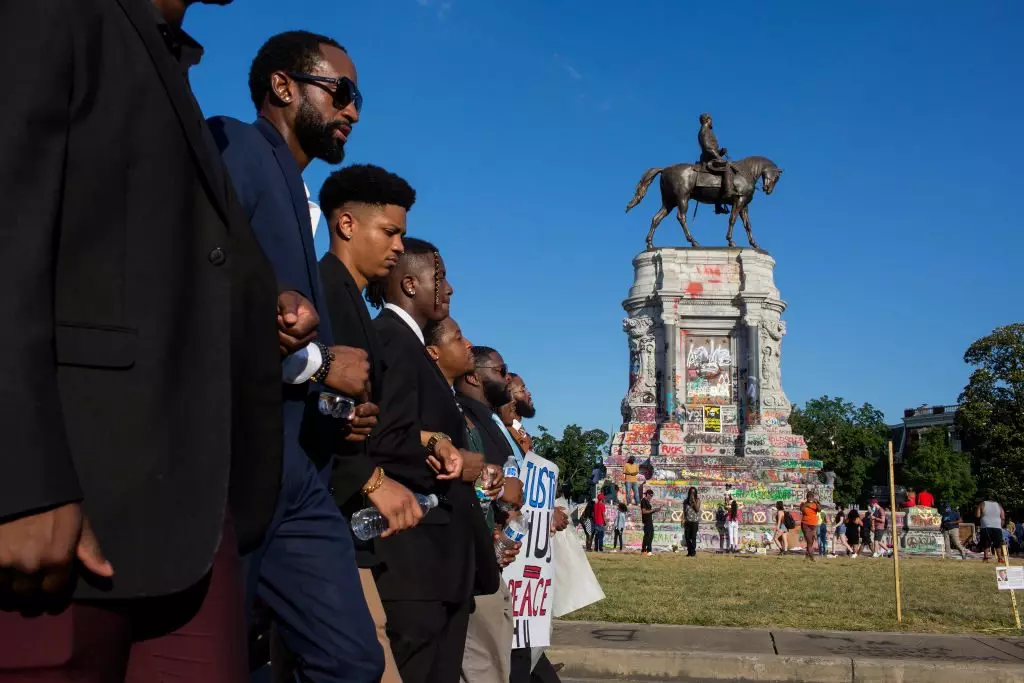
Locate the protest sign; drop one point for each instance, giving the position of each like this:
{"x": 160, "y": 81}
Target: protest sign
{"x": 530, "y": 577}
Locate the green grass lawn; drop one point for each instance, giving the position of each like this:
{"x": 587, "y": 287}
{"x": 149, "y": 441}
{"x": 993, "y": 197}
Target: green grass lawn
{"x": 789, "y": 592}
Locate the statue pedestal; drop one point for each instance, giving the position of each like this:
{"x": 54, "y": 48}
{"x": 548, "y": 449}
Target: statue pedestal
{"x": 705, "y": 405}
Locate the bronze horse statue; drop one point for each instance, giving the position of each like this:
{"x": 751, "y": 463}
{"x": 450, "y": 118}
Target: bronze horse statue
{"x": 682, "y": 182}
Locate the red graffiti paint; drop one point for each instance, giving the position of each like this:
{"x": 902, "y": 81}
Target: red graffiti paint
{"x": 694, "y": 289}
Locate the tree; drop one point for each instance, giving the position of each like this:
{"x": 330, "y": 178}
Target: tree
{"x": 991, "y": 415}
{"x": 575, "y": 453}
{"x": 934, "y": 466}
{"x": 849, "y": 440}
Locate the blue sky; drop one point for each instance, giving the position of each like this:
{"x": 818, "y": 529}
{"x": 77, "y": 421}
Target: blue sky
{"x": 524, "y": 126}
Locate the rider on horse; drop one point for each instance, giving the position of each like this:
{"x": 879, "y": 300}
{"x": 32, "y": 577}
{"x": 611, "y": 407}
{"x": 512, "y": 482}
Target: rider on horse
{"x": 712, "y": 159}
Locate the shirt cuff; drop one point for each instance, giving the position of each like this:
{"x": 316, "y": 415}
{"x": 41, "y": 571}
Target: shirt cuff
{"x": 298, "y": 367}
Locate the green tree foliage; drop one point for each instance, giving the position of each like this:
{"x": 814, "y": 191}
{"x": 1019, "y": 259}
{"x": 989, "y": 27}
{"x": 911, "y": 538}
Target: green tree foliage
{"x": 934, "y": 466}
{"x": 850, "y": 441}
{"x": 575, "y": 453}
{"x": 991, "y": 415}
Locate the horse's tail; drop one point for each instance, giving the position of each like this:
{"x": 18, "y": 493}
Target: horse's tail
{"x": 641, "y": 187}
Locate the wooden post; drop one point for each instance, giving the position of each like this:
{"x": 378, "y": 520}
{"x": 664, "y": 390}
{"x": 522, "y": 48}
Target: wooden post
{"x": 895, "y": 537}
{"x": 1013, "y": 597}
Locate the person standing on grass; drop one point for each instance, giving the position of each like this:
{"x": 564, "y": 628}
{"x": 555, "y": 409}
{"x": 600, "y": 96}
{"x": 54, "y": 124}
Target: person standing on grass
{"x": 587, "y": 522}
{"x": 620, "y": 527}
{"x": 781, "y": 528}
{"x": 647, "y": 515}
{"x": 691, "y": 521}
{"x": 866, "y": 532}
{"x": 732, "y": 519}
{"x": 822, "y": 535}
{"x": 720, "y": 524}
{"x": 991, "y": 518}
{"x": 854, "y": 526}
{"x": 951, "y": 531}
{"x": 809, "y": 523}
{"x": 599, "y": 520}
{"x": 878, "y": 527}
{"x": 840, "y": 533}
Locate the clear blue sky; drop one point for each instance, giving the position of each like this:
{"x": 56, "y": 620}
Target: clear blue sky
{"x": 524, "y": 126}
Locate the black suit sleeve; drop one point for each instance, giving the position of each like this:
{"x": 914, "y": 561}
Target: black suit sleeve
{"x": 37, "y": 470}
{"x": 395, "y": 444}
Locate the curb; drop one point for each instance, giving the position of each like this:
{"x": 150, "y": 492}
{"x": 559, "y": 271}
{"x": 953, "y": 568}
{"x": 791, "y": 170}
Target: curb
{"x": 672, "y": 665}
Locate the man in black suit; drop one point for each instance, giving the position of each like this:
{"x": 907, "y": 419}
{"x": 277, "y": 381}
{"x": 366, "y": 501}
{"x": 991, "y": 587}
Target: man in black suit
{"x": 141, "y": 375}
{"x": 304, "y": 88}
{"x": 366, "y": 209}
{"x": 427, "y": 575}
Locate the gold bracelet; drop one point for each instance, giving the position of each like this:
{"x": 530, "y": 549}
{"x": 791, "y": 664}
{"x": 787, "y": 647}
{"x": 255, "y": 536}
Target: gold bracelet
{"x": 376, "y": 483}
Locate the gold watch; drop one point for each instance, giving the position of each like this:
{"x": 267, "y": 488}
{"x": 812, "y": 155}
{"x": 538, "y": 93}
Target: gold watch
{"x": 434, "y": 439}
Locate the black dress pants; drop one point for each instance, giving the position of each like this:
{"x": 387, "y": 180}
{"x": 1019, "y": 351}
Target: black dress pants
{"x": 428, "y": 639}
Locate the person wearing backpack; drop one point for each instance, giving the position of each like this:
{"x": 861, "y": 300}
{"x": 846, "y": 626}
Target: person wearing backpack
{"x": 783, "y": 523}
{"x": 720, "y": 524}
{"x": 951, "y": 531}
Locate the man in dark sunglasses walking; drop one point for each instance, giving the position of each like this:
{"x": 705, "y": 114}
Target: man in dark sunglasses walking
{"x": 303, "y": 86}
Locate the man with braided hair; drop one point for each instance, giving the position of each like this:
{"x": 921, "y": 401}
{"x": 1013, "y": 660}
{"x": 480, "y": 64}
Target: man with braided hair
{"x": 429, "y": 574}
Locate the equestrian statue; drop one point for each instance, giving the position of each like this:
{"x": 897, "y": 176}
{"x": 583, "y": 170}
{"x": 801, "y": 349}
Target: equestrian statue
{"x": 714, "y": 179}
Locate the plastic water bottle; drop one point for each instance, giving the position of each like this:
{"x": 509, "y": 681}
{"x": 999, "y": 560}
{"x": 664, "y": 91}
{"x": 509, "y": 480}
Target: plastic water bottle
{"x": 513, "y": 533}
{"x": 511, "y": 470}
{"x": 370, "y": 523}
{"x": 480, "y": 486}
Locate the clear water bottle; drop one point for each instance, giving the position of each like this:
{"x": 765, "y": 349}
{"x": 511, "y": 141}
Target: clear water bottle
{"x": 480, "y": 486}
{"x": 513, "y": 533}
{"x": 511, "y": 470}
{"x": 370, "y": 523}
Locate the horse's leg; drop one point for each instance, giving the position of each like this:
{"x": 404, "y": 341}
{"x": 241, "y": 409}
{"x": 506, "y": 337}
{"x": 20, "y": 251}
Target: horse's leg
{"x": 732, "y": 223}
{"x": 658, "y": 218}
{"x": 681, "y": 215}
{"x": 746, "y": 224}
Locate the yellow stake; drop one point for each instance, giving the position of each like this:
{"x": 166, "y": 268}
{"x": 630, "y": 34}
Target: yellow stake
{"x": 895, "y": 537}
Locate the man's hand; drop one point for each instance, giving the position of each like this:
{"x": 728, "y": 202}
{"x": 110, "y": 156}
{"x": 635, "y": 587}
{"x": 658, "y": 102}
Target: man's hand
{"x": 398, "y": 505}
{"x": 508, "y": 555}
{"x": 297, "y": 321}
{"x": 496, "y": 482}
{"x": 446, "y": 461}
{"x": 350, "y": 372}
{"x": 362, "y": 423}
{"x": 559, "y": 520}
{"x": 513, "y": 494}
{"x": 37, "y": 552}
{"x": 472, "y": 466}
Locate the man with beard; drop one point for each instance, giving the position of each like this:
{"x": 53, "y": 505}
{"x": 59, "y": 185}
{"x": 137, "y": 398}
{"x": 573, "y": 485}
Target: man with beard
{"x": 304, "y": 88}
{"x": 141, "y": 379}
{"x": 488, "y": 647}
{"x": 366, "y": 209}
{"x": 428, "y": 574}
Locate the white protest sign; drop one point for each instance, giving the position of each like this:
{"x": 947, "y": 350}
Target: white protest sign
{"x": 529, "y": 578}
{"x": 1010, "y": 578}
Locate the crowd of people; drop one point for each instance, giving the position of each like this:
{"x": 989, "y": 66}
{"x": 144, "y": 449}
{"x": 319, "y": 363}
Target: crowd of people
{"x": 199, "y": 406}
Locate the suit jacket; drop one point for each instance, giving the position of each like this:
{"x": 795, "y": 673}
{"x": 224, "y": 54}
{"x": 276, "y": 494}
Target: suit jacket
{"x": 269, "y": 186}
{"x": 352, "y": 327}
{"x": 145, "y": 349}
{"x": 496, "y": 446}
{"x": 441, "y": 558}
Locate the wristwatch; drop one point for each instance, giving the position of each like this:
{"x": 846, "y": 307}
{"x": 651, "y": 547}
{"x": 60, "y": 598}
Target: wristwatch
{"x": 435, "y": 438}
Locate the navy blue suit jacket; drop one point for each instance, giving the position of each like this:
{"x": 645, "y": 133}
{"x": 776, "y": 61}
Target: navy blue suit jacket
{"x": 269, "y": 186}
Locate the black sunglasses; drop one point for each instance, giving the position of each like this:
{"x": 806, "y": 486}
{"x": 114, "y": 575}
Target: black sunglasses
{"x": 345, "y": 91}
{"x": 502, "y": 369}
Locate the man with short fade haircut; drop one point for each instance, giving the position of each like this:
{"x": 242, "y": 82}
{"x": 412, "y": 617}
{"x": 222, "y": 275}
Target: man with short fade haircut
{"x": 428, "y": 575}
{"x": 303, "y": 86}
{"x": 365, "y": 207}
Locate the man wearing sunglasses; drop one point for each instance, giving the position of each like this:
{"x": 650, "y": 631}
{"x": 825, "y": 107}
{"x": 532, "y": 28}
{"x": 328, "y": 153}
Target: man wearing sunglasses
{"x": 303, "y": 87}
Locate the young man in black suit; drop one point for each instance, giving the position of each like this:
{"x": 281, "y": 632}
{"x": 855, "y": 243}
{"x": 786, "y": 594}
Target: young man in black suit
{"x": 141, "y": 377}
{"x": 429, "y": 574}
{"x": 366, "y": 209}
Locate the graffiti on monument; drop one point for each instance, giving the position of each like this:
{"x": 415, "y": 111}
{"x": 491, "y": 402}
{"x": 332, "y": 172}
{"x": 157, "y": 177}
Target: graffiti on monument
{"x": 709, "y": 368}
{"x": 729, "y": 416}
